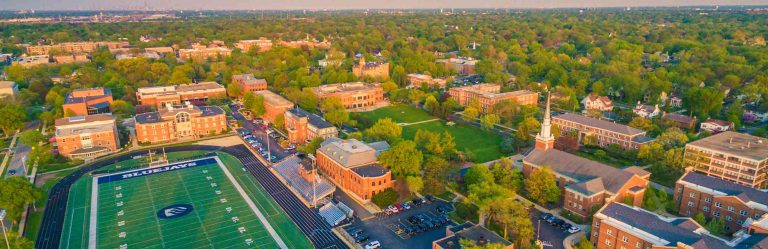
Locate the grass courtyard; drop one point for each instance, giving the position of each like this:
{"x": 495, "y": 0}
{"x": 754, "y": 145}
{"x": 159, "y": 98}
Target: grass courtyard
{"x": 482, "y": 145}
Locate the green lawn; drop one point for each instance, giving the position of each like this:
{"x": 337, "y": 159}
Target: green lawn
{"x": 398, "y": 113}
{"x": 483, "y": 146}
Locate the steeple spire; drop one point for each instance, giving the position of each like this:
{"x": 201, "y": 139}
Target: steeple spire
{"x": 545, "y": 140}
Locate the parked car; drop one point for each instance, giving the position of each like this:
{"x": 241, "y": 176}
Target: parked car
{"x": 558, "y": 222}
{"x": 566, "y": 226}
{"x": 406, "y": 205}
{"x": 399, "y": 207}
{"x": 545, "y": 216}
{"x": 574, "y": 229}
{"x": 355, "y": 232}
{"x": 373, "y": 245}
{"x": 444, "y": 209}
{"x": 11, "y": 172}
{"x": 291, "y": 147}
{"x": 393, "y": 209}
{"x": 418, "y": 201}
{"x": 362, "y": 238}
{"x": 410, "y": 230}
{"x": 430, "y": 198}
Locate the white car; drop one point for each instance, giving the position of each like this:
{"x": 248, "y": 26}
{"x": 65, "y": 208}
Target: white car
{"x": 392, "y": 209}
{"x": 574, "y": 229}
{"x": 373, "y": 245}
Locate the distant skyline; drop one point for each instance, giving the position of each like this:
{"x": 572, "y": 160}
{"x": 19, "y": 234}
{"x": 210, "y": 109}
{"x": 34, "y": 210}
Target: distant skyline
{"x": 347, "y": 4}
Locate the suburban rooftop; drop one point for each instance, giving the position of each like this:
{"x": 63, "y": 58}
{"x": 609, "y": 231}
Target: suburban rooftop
{"x": 735, "y": 144}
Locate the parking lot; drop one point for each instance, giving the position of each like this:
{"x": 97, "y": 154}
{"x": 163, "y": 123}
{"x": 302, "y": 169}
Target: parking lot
{"x": 551, "y": 236}
{"x": 388, "y": 229}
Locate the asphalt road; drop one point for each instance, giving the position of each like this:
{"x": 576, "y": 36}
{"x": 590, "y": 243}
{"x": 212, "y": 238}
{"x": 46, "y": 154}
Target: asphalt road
{"x": 260, "y": 135}
{"x": 551, "y": 236}
{"x": 17, "y": 164}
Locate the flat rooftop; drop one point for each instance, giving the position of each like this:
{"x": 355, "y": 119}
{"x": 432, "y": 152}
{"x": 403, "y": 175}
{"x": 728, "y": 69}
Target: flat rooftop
{"x": 735, "y": 144}
{"x": 274, "y": 99}
{"x": 344, "y": 87}
{"x": 370, "y": 170}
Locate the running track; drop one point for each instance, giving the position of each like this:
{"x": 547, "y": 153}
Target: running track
{"x": 310, "y": 223}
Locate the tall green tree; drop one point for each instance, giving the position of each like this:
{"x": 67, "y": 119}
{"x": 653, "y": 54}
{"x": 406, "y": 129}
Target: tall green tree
{"x": 384, "y": 129}
{"x": 403, "y": 159}
{"x": 542, "y": 187}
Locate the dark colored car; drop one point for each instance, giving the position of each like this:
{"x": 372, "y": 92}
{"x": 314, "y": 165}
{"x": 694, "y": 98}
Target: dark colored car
{"x": 565, "y": 226}
{"x": 411, "y": 230}
{"x": 430, "y": 198}
{"x": 418, "y": 201}
{"x": 423, "y": 226}
{"x": 558, "y": 222}
{"x": 545, "y": 216}
{"x": 362, "y": 238}
{"x": 416, "y": 219}
{"x": 444, "y": 209}
{"x": 356, "y": 232}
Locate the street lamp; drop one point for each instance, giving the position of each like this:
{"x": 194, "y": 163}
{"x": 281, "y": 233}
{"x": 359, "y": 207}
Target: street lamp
{"x": 266, "y": 133}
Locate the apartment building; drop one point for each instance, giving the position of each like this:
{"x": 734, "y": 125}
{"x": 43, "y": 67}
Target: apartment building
{"x": 733, "y": 156}
{"x": 488, "y": 95}
{"x": 352, "y": 95}
{"x": 33, "y": 60}
{"x": 716, "y": 198}
{"x": 174, "y": 123}
{"x": 73, "y": 47}
{"x": 249, "y": 83}
{"x": 86, "y": 137}
{"x": 303, "y": 126}
{"x": 373, "y": 70}
{"x": 204, "y": 53}
{"x": 462, "y": 65}
{"x": 274, "y": 105}
{"x": 605, "y": 132}
{"x": 308, "y": 43}
{"x": 262, "y": 44}
{"x": 199, "y": 93}
{"x": 88, "y": 101}
{"x": 353, "y": 166}
{"x": 586, "y": 185}
{"x": 618, "y": 225}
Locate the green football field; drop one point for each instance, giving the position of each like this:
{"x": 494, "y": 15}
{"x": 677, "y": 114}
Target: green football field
{"x": 193, "y": 204}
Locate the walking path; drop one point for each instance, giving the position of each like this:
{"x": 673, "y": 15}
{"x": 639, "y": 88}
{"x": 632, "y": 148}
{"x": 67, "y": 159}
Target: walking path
{"x": 420, "y": 122}
{"x": 8, "y": 152}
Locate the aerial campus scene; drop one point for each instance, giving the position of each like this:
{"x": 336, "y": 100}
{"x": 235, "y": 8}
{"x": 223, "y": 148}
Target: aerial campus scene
{"x": 330, "y": 124}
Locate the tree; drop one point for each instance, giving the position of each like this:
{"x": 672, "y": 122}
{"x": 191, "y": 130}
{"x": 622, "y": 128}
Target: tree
{"x": 254, "y": 103}
{"x": 542, "y": 187}
{"x": 584, "y": 244}
{"x": 415, "y": 184}
{"x": 384, "y": 129}
{"x": 472, "y": 244}
{"x": 526, "y": 128}
{"x": 513, "y": 215}
{"x": 506, "y": 175}
{"x": 436, "y": 171}
{"x": 15, "y": 194}
{"x": 471, "y": 112}
{"x": 122, "y": 107}
{"x": 334, "y": 111}
{"x": 13, "y": 118}
{"x": 17, "y": 241}
{"x": 641, "y": 123}
{"x": 385, "y": 198}
{"x": 485, "y": 195}
{"x": 652, "y": 152}
{"x": 235, "y": 90}
{"x": 431, "y": 105}
{"x": 32, "y": 138}
{"x": 403, "y": 159}
{"x": 488, "y": 121}
{"x": 312, "y": 146}
{"x": 479, "y": 173}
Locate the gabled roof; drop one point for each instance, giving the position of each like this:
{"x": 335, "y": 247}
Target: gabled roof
{"x": 679, "y": 118}
{"x": 602, "y": 124}
{"x": 668, "y": 231}
{"x": 718, "y": 122}
{"x": 744, "y": 193}
{"x": 591, "y": 177}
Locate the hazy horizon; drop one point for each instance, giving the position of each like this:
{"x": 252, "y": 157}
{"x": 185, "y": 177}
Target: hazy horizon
{"x": 346, "y": 4}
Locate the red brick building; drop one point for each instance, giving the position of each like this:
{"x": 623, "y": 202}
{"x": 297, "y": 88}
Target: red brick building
{"x": 353, "y": 166}
{"x": 488, "y": 95}
{"x": 733, "y": 156}
{"x": 605, "y": 132}
{"x": 373, "y": 70}
{"x": 249, "y": 83}
{"x": 262, "y": 44}
{"x": 303, "y": 126}
{"x": 352, "y": 95}
{"x": 620, "y": 226}
{"x": 737, "y": 204}
{"x": 86, "y": 137}
{"x": 73, "y": 47}
{"x": 586, "y": 185}
{"x": 179, "y": 123}
{"x": 274, "y": 105}
{"x": 203, "y": 53}
{"x": 89, "y": 101}
{"x": 199, "y": 94}
{"x": 462, "y": 65}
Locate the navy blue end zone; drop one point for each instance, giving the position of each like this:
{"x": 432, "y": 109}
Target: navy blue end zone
{"x": 156, "y": 170}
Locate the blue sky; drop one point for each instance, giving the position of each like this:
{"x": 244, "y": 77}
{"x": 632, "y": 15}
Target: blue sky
{"x": 347, "y": 4}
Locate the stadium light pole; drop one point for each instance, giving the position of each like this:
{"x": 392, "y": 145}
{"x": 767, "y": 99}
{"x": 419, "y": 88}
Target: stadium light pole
{"x": 266, "y": 134}
{"x": 2, "y": 223}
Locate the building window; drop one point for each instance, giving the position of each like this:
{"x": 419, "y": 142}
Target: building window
{"x": 638, "y": 245}
{"x": 716, "y": 213}
{"x": 706, "y": 209}
{"x": 609, "y": 232}
{"x": 625, "y": 239}
{"x": 708, "y": 199}
{"x": 607, "y": 242}
{"x": 728, "y": 218}
{"x": 690, "y": 204}
{"x": 692, "y": 195}
{"x": 731, "y": 209}
{"x": 757, "y": 216}
{"x": 717, "y": 204}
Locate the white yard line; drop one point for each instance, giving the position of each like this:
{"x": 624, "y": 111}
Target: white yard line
{"x": 157, "y": 222}
{"x": 255, "y": 209}
{"x": 202, "y": 225}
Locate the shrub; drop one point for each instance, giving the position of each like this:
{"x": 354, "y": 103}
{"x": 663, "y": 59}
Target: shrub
{"x": 385, "y": 198}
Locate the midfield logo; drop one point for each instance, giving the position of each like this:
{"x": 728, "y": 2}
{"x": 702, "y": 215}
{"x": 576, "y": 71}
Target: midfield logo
{"x": 174, "y": 211}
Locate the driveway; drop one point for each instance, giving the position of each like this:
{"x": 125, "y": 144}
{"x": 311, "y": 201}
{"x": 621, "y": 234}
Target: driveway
{"x": 18, "y": 161}
{"x": 260, "y": 135}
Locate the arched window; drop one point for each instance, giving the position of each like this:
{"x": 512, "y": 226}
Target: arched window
{"x": 182, "y": 117}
